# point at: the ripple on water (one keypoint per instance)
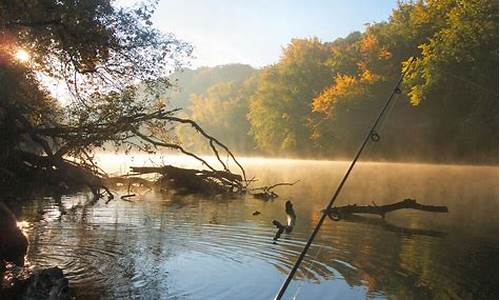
(187, 248)
(134, 253)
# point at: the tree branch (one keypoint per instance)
(337, 213)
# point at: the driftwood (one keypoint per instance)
(337, 213)
(291, 217)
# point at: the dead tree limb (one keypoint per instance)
(337, 213)
(173, 146)
(266, 192)
(212, 140)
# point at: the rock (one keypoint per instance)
(13, 243)
(47, 284)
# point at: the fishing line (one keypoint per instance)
(371, 135)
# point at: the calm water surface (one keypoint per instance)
(165, 247)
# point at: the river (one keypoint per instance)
(172, 247)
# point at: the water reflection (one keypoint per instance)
(161, 247)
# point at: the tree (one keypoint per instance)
(450, 103)
(107, 56)
(187, 82)
(456, 75)
(280, 107)
(222, 111)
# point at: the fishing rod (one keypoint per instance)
(373, 135)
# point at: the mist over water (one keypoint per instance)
(169, 247)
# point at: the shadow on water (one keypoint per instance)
(162, 247)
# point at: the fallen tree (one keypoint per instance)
(192, 181)
(340, 212)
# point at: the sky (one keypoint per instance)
(254, 31)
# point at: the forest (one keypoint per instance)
(320, 97)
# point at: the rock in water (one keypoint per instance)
(48, 284)
(13, 243)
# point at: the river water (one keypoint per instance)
(171, 247)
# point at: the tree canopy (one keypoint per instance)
(320, 97)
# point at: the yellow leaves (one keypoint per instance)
(384, 54)
(368, 43)
(371, 47)
(300, 51)
(344, 86)
(316, 134)
(367, 76)
(420, 15)
(343, 83)
(415, 95)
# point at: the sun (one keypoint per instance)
(22, 55)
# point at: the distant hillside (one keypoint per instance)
(198, 81)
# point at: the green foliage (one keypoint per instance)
(222, 112)
(280, 107)
(187, 82)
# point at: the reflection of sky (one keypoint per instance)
(253, 32)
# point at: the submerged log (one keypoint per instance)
(337, 213)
